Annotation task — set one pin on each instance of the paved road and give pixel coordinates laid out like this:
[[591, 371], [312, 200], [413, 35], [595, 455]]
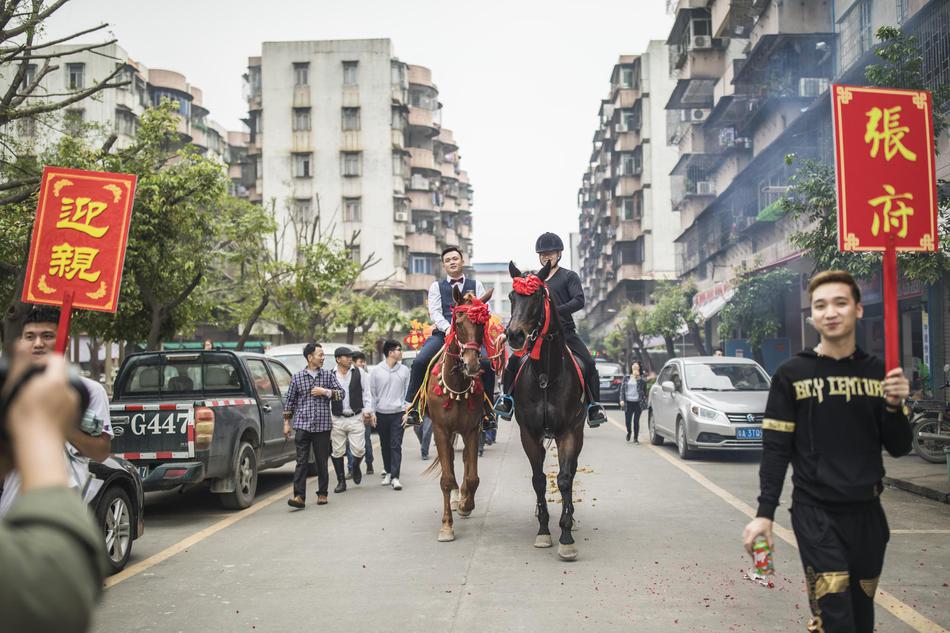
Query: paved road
[[659, 551]]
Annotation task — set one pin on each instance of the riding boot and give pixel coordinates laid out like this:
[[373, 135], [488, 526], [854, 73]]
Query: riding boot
[[357, 473], [488, 420], [504, 406], [412, 417], [340, 475], [596, 416]]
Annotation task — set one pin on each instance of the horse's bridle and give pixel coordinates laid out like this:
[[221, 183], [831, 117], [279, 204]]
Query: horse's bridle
[[543, 324]]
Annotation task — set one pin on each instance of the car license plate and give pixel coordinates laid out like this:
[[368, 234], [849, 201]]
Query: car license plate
[[604, 384], [143, 471], [748, 434]]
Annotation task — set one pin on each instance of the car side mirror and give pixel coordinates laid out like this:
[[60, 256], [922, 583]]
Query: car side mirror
[[668, 386]]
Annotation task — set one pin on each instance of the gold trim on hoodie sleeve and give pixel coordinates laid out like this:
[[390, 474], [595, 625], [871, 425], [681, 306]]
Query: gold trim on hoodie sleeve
[[771, 424]]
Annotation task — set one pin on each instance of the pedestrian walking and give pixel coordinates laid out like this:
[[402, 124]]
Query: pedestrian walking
[[633, 399], [359, 361], [388, 382], [424, 435], [349, 425], [307, 415], [830, 411], [440, 303]]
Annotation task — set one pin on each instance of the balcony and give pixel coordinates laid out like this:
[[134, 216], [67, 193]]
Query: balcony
[[629, 271], [416, 281], [628, 230], [423, 201], [447, 138], [449, 236], [627, 141], [732, 18], [449, 205], [421, 158], [791, 18], [420, 117], [419, 75], [465, 231], [627, 185], [448, 170], [422, 243], [626, 97]]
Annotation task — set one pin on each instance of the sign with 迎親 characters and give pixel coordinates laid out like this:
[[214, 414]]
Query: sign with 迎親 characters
[[79, 239], [884, 161]]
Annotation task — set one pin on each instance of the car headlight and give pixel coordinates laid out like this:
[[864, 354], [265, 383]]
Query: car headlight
[[704, 413]]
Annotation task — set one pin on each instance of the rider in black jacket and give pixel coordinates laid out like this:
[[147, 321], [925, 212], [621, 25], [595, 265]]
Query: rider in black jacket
[[568, 295]]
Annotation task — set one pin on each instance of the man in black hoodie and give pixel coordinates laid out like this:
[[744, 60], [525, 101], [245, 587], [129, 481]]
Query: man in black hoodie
[[830, 410]]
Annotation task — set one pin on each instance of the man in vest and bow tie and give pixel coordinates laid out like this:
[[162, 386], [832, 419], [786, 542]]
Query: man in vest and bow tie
[[440, 312]]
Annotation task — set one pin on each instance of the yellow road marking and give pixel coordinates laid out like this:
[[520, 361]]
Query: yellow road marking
[[197, 537], [898, 609], [934, 531]]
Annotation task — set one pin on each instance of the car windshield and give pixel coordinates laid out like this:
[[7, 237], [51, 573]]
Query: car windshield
[[608, 369], [294, 362], [726, 377]]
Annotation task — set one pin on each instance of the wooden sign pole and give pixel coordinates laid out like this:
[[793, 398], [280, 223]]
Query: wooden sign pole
[[891, 331]]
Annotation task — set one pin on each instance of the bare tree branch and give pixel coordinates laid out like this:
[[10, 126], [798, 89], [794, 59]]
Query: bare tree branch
[[36, 19]]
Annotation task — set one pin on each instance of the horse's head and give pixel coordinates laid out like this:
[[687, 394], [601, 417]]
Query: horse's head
[[527, 306], [469, 318]]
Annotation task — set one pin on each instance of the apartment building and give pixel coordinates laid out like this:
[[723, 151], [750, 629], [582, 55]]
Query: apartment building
[[626, 219], [117, 110], [495, 276], [346, 138], [752, 88]]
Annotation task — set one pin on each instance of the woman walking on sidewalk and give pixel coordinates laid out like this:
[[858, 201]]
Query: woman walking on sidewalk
[[633, 399]]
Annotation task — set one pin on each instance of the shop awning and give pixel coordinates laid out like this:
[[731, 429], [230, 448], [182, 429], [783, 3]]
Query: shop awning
[[712, 307]]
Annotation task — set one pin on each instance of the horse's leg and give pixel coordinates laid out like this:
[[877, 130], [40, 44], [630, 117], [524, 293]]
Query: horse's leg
[[568, 450], [534, 449], [470, 474], [443, 442]]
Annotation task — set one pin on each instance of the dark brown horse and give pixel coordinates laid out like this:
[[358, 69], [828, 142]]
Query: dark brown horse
[[549, 398], [454, 398]]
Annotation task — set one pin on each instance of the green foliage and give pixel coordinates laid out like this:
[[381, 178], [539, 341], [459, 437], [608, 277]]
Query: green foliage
[[754, 309], [672, 310]]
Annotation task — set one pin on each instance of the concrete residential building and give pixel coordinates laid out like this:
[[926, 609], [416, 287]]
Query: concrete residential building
[[753, 79], [626, 220], [347, 138], [495, 276]]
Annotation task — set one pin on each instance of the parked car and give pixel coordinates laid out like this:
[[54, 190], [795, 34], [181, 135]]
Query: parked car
[[117, 500], [708, 402], [291, 355], [188, 418], [611, 377]]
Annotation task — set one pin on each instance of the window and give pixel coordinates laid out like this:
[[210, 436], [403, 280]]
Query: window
[[626, 209], [355, 253], [629, 165], [302, 209], [400, 256], [301, 119], [630, 121], [351, 118], [303, 167], [125, 122], [352, 210], [350, 74], [75, 76], [398, 165], [352, 163], [73, 119], [26, 126], [28, 76], [420, 265], [399, 120], [627, 78], [260, 378], [257, 124], [180, 376], [301, 73], [281, 376]]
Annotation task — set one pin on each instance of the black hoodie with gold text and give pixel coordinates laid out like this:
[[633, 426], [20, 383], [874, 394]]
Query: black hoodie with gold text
[[828, 418]]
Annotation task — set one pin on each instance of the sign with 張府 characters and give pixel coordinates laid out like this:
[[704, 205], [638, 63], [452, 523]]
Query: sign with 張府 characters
[[884, 161], [79, 239]]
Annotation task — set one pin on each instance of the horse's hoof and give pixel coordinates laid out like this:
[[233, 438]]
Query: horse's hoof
[[543, 540], [567, 552], [446, 535], [463, 513]]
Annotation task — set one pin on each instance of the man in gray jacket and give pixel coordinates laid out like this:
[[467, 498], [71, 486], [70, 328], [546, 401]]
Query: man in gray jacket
[[388, 383]]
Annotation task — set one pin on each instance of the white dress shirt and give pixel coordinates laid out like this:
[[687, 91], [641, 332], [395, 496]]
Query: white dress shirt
[[435, 302]]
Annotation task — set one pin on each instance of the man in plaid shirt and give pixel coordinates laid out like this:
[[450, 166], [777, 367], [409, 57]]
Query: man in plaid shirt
[[307, 409]]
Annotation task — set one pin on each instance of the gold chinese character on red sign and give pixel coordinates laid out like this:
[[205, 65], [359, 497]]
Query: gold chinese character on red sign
[[79, 213], [889, 217], [884, 125], [69, 261]]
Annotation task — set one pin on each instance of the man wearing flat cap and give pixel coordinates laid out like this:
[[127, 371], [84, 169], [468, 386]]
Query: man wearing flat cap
[[348, 427]]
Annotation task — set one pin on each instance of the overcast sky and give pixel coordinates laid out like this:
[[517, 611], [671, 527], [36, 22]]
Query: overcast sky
[[520, 80]]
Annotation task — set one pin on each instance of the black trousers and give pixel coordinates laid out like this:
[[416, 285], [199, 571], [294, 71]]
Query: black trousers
[[581, 353], [320, 443], [389, 427], [843, 555], [632, 409]]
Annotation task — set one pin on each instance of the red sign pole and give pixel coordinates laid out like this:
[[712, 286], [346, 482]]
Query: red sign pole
[[891, 331], [65, 316]]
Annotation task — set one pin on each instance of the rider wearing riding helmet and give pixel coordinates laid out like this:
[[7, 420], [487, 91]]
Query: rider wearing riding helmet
[[568, 296]]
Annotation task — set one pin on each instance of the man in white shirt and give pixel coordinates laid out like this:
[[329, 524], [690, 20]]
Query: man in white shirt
[[348, 418], [388, 382], [94, 439], [440, 303], [359, 362]]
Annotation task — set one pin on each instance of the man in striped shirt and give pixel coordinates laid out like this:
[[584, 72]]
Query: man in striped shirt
[[307, 410]]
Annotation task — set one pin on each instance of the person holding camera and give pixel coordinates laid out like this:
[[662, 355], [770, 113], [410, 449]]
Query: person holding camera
[[51, 553], [92, 438], [633, 399]]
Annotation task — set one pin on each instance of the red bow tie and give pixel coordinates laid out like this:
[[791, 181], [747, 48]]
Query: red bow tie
[[457, 281]]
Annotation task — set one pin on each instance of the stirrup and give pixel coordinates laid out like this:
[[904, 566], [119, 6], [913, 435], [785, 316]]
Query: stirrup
[[594, 422], [504, 406]]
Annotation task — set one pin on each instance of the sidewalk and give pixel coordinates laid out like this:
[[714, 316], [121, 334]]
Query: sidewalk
[[914, 474]]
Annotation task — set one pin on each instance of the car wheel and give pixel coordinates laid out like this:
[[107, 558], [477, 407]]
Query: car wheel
[[655, 438], [682, 446], [245, 479], [114, 515]]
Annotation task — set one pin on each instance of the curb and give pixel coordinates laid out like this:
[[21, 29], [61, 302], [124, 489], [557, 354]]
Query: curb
[[923, 491]]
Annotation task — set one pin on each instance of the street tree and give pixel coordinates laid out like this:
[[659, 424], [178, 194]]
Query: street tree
[[362, 311], [812, 193], [755, 309], [672, 310]]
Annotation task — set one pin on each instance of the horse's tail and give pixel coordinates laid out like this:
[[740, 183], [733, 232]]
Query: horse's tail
[[436, 466]]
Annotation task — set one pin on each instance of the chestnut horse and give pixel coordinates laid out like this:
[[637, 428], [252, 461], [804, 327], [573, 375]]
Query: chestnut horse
[[454, 398], [548, 397]]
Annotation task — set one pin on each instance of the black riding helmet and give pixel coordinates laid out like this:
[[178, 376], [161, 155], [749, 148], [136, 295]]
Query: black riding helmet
[[548, 242]]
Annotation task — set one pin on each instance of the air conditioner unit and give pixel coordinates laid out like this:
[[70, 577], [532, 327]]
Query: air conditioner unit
[[698, 115], [812, 86], [704, 188], [744, 142], [701, 41], [401, 216]]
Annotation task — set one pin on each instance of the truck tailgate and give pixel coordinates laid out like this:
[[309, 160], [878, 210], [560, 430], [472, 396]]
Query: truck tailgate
[[153, 431]]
